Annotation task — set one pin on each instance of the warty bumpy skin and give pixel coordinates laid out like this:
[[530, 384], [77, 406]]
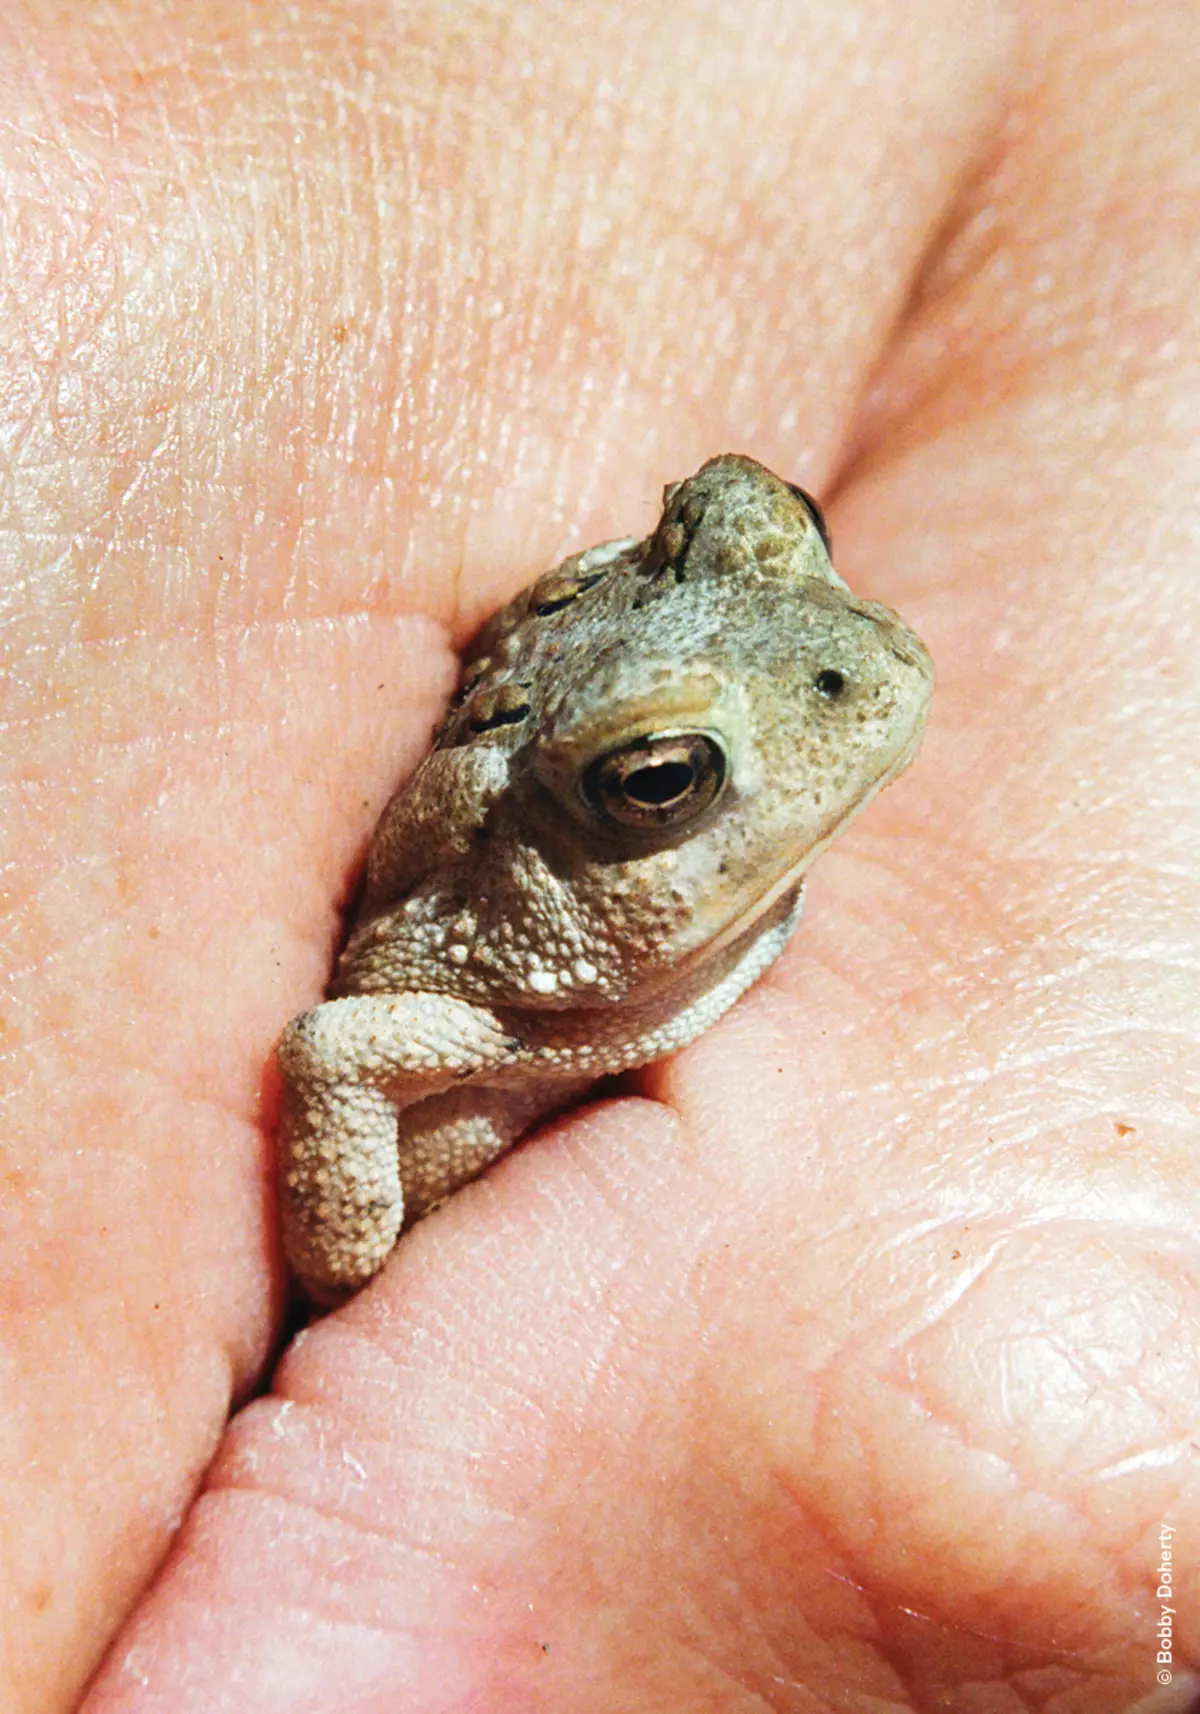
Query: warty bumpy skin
[[606, 845]]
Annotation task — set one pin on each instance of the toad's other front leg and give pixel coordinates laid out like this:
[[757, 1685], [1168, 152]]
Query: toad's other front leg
[[349, 1067]]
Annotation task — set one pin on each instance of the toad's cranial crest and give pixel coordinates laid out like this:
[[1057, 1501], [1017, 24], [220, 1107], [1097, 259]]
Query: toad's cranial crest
[[604, 848]]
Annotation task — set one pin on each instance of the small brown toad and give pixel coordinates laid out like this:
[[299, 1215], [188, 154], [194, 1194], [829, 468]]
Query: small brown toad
[[605, 847]]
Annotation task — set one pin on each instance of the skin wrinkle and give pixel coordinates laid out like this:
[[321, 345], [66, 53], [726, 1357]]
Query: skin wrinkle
[[996, 303], [941, 1609], [99, 700], [855, 1627], [402, 389]]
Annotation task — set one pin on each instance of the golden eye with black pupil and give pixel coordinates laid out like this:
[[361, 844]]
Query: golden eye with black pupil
[[656, 782], [815, 513]]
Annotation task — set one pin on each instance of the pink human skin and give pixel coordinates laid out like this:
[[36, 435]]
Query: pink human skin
[[847, 1359]]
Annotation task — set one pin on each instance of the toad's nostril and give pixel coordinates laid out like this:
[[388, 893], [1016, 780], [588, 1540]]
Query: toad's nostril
[[830, 683]]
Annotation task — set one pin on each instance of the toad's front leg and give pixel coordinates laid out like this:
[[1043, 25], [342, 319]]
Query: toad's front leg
[[349, 1067]]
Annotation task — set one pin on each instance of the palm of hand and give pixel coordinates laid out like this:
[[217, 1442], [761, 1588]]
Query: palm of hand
[[856, 1354]]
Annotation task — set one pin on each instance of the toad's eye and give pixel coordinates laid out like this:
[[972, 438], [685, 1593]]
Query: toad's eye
[[815, 513], [656, 782]]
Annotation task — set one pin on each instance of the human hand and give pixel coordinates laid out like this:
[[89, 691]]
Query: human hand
[[853, 1357]]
